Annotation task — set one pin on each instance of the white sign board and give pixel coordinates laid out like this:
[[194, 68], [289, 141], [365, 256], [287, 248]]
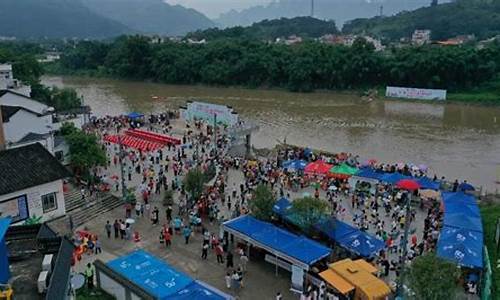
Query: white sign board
[[207, 112], [412, 93]]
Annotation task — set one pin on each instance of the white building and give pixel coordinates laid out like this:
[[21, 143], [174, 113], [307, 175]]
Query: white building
[[421, 37], [31, 184], [22, 115], [8, 82]]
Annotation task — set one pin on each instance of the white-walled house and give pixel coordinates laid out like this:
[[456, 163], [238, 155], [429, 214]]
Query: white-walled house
[[31, 184]]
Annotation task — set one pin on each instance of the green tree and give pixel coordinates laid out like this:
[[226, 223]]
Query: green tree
[[262, 203], [432, 278], [194, 183], [85, 151], [308, 211]]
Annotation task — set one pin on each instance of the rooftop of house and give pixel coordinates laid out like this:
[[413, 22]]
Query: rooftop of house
[[28, 166]]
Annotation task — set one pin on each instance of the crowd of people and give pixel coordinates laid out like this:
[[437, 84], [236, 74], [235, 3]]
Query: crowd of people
[[382, 213]]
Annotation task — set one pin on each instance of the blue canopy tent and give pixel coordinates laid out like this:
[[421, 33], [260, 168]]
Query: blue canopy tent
[[362, 243], [296, 164], [464, 247], [428, 184], [135, 115], [298, 250], [458, 197], [462, 220], [370, 173], [159, 279], [282, 206], [4, 259], [334, 228]]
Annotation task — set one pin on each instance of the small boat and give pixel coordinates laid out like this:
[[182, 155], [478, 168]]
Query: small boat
[[155, 97]]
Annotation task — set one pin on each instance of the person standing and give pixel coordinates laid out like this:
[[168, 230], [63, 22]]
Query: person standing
[[228, 280], [97, 245], [89, 276], [229, 260], [169, 213], [107, 227], [243, 261], [186, 232], [116, 227], [219, 252]]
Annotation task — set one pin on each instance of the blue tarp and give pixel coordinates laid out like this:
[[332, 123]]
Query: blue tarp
[[135, 115], [278, 241], [362, 243], [158, 278], [4, 260], [282, 206], [334, 228], [464, 247], [462, 220], [296, 164], [428, 184]]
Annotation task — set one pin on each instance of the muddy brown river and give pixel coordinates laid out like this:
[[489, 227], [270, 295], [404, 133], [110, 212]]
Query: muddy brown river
[[454, 140]]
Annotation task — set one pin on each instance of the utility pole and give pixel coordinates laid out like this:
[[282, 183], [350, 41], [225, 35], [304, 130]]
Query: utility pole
[[312, 8], [381, 10], [122, 170], [215, 133], [400, 287]]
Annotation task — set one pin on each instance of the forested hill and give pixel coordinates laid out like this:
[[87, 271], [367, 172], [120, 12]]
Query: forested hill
[[338, 10], [271, 29], [54, 19], [151, 16], [478, 17]]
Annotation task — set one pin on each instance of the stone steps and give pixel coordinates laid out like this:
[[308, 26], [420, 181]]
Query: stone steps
[[84, 214]]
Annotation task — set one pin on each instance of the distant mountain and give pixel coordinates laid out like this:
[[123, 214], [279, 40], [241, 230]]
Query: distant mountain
[[54, 19], [478, 17], [338, 10], [271, 29], [151, 16]]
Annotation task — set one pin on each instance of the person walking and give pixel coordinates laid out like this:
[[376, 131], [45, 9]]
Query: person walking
[[204, 251], [107, 227], [97, 245], [243, 261], [228, 280], [168, 237]]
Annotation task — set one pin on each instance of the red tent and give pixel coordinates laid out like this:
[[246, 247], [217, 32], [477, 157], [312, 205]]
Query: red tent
[[318, 168]]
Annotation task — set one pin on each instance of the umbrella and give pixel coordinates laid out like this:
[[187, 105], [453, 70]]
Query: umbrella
[[332, 188], [295, 164], [423, 167], [464, 186], [408, 184], [429, 194], [343, 171], [318, 167]]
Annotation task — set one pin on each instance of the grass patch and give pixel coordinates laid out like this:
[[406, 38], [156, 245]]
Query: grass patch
[[488, 93], [95, 294], [490, 214]]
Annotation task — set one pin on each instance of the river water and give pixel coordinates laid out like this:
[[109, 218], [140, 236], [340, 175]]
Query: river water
[[455, 140]]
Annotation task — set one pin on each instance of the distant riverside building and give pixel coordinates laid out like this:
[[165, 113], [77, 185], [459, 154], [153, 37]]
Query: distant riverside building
[[49, 57], [8, 82], [348, 40], [421, 37]]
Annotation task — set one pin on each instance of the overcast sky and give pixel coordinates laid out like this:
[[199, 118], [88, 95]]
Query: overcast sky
[[212, 8]]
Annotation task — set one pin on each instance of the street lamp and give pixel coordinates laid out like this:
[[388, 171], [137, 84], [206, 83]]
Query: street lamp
[[410, 186]]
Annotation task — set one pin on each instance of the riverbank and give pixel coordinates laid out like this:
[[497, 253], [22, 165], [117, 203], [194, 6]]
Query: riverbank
[[490, 214], [488, 94]]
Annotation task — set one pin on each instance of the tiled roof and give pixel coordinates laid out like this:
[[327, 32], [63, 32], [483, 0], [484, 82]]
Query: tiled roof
[[8, 111], [32, 136], [28, 166]]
